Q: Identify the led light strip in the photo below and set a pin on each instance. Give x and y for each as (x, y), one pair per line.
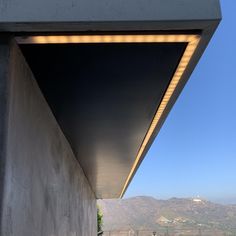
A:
(61, 39)
(189, 51)
(192, 43)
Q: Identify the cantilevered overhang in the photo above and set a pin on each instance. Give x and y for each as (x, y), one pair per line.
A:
(111, 73)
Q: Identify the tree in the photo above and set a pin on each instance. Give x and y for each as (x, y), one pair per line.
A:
(99, 219)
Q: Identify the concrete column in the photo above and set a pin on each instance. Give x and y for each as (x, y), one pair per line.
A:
(43, 189)
(4, 88)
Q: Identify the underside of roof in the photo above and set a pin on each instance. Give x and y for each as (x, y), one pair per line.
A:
(111, 82)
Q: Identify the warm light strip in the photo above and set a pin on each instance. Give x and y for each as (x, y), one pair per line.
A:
(189, 51)
(192, 41)
(60, 39)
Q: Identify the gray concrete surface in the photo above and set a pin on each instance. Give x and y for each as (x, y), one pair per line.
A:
(4, 55)
(44, 190)
(93, 15)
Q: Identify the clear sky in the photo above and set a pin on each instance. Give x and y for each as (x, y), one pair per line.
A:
(195, 151)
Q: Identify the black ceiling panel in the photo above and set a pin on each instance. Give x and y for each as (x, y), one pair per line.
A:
(104, 97)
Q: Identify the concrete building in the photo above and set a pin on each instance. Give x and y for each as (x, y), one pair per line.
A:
(85, 86)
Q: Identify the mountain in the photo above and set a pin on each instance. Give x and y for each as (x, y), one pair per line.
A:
(148, 213)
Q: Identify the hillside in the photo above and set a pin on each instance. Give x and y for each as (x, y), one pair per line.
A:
(147, 213)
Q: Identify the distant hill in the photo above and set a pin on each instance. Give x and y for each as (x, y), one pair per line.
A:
(148, 213)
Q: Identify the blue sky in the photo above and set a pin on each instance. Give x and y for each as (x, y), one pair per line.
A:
(195, 152)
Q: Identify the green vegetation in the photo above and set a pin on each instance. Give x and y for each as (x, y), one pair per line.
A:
(99, 219)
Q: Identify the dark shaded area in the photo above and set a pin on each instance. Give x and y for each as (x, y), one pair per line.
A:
(104, 97)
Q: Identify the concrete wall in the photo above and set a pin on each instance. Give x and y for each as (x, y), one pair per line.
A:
(105, 10)
(44, 191)
(89, 15)
(4, 55)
